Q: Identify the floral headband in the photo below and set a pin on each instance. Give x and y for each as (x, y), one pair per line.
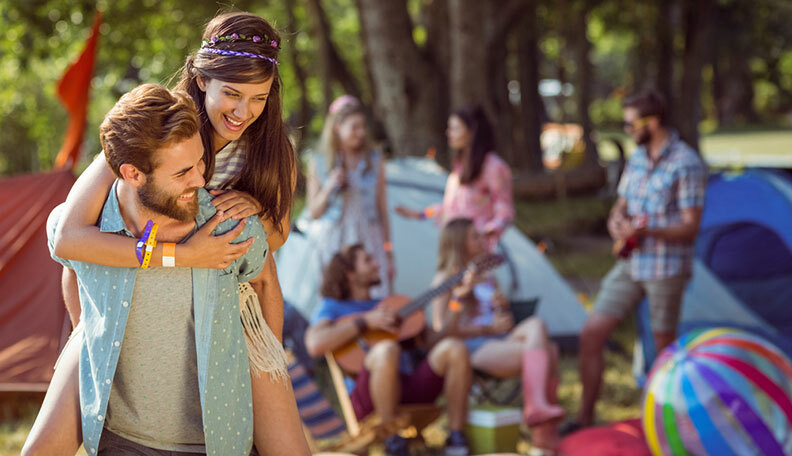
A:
(208, 46)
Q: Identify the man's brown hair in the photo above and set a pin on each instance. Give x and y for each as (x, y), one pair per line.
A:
(145, 119)
(335, 283)
(648, 103)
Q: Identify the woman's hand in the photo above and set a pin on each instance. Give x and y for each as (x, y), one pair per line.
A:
(502, 322)
(468, 282)
(408, 213)
(499, 301)
(235, 204)
(205, 250)
(337, 179)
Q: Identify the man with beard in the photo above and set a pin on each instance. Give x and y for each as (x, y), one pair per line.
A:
(654, 222)
(390, 375)
(163, 364)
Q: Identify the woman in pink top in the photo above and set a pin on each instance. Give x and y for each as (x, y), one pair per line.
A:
(479, 186)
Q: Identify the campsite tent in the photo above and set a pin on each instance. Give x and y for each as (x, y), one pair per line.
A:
(417, 183)
(743, 269)
(33, 321)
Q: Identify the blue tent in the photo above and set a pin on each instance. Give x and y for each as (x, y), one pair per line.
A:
(743, 271)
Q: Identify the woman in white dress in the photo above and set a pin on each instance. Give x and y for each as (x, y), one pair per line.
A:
(346, 196)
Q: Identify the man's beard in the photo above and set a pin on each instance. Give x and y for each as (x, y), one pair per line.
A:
(158, 201)
(644, 136)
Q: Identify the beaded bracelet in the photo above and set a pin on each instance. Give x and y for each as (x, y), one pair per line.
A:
(142, 241)
(454, 305)
(151, 242)
(388, 246)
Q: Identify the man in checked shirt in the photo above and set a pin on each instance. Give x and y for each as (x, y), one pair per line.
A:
(661, 196)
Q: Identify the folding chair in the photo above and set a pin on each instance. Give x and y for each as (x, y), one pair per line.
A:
(324, 429)
(487, 388)
(418, 416)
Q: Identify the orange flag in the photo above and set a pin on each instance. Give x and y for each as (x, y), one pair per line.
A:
(73, 90)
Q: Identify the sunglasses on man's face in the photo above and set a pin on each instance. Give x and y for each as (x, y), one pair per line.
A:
(637, 124)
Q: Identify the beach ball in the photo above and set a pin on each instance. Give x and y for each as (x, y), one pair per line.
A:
(719, 392)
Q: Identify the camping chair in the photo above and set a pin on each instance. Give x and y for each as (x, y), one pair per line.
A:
(487, 388)
(324, 430)
(418, 415)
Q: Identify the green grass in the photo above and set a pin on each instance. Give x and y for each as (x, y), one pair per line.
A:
(734, 148)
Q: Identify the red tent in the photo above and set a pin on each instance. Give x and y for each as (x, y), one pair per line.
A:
(33, 320)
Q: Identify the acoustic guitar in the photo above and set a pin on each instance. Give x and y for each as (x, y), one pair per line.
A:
(409, 313)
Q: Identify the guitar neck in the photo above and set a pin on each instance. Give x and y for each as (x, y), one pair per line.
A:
(422, 301)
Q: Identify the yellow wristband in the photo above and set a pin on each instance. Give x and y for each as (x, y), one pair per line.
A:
(454, 305)
(151, 242)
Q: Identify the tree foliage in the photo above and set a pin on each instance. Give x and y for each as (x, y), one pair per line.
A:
(412, 61)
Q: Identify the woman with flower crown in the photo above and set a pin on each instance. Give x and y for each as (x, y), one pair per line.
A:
(250, 168)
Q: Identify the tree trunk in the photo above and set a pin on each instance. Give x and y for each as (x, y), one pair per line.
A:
(469, 58)
(333, 66)
(504, 120)
(437, 50)
(404, 83)
(530, 101)
(438, 42)
(643, 73)
(304, 112)
(585, 80)
(664, 30)
(732, 80)
(697, 27)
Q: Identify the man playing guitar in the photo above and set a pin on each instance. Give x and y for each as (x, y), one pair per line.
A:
(392, 374)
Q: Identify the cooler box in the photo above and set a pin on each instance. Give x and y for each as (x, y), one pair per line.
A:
(493, 429)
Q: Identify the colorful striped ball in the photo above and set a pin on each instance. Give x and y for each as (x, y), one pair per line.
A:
(719, 392)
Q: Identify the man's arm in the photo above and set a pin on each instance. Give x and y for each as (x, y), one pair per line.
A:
(685, 231)
(71, 295)
(270, 297)
(326, 335)
(618, 219)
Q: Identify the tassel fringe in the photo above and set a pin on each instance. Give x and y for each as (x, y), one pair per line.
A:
(265, 353)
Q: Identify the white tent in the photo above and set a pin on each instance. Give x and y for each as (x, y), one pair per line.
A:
(417, 183)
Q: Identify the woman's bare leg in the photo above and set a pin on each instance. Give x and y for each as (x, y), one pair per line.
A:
(527, 352)
(503, 357)
(57, 429)
(277, 428)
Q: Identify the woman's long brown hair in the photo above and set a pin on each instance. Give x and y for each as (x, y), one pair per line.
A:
(482, 143)
(270, 162)
(452, 254)
(330, 144)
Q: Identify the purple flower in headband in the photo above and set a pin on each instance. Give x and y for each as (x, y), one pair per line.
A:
(274, 43)
(256, 38)
(235, 36)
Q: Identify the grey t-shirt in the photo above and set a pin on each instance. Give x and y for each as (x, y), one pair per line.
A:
(154, 399)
